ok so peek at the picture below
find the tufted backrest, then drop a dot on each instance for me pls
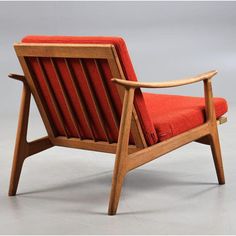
(81, 100)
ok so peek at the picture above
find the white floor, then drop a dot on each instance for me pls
(66, 191)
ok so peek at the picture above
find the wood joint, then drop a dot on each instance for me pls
(38, 145)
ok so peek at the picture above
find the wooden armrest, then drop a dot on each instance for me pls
(17, 77)
(167, 84)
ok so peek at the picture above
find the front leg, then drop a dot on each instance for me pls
(214, 136)
(120, 168)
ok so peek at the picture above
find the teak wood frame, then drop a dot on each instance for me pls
(128, 157)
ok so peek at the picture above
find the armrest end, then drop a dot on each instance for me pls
(17, 77)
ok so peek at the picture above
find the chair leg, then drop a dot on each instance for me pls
(21, 145)
(122, 151)
(216, 153)
(117, 182)
(214, 136)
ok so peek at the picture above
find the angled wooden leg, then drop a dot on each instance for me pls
(120, 169)
(216, 153)
(214, 136)
(20, 152)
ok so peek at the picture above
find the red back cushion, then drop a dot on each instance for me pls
(93, 75)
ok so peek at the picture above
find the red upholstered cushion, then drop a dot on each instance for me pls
(146, 123)
(174, 114)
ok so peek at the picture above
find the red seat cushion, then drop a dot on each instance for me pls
(146, 123)
(174, 114)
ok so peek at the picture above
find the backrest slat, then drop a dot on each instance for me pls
(66, 98)
(53, 97)
(95, 101)
(81, 100)
(107, 94)
(43, 105)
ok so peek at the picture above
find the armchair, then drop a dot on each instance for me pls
(89, 98)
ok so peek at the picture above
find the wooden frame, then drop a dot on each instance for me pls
(128, 157)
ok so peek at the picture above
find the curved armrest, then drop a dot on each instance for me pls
(167, 84)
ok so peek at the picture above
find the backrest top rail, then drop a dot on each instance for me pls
(99, 51)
